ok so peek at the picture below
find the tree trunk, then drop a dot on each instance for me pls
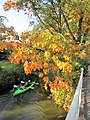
(67, 24)
(79, 32)
(60, 9)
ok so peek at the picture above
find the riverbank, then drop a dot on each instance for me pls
(11, 74)
(8, 75)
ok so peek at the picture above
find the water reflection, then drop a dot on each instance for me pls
(29, 106)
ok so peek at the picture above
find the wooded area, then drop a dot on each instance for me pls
(57, 46)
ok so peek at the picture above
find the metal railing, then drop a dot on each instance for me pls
(73, 113)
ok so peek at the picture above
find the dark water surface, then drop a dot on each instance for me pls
(29, 106)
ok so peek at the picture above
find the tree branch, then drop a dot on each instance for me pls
(68, 26)
(85, 35)
(79, 28)
(58, 15)
(39, 17)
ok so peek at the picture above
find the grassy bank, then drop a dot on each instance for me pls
(10, 74)
(6, 65)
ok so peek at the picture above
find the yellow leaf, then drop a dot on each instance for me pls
(69, 21)
(47, 54)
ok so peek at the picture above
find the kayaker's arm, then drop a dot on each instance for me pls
(28, 83)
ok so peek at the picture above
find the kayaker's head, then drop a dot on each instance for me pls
(22, 82)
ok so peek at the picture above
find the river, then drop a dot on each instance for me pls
(31, 105)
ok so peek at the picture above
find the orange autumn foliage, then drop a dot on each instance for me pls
(43, 54)
(46, 79)
(40, 75)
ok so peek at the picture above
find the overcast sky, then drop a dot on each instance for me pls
(16, 19)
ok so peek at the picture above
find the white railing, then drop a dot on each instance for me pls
(73, 113)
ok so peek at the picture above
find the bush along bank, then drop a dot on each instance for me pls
(10, 75)
(64, 93)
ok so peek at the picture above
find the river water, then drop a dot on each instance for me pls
(31, 105)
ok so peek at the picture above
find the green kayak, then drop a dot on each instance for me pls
(18, 91)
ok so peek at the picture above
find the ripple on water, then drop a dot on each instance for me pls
(29, 106)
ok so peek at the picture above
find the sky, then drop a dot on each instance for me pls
(18, 20)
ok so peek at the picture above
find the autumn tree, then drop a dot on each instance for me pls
(47, 52)
(52, 57)
(6, 33)
(71, 18)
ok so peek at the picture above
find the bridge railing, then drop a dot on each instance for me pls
(73, 113)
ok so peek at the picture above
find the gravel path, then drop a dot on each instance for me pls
(85, 100)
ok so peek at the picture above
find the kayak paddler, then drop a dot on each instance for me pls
(22, 85)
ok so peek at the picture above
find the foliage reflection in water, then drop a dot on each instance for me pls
(29, 106)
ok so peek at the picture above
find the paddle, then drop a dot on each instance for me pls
(32, 87)
(37, 83)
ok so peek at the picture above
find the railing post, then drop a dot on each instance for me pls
(73, 113)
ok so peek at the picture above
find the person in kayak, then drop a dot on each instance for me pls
(28, 83)
(15, 87)
(22, 87)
